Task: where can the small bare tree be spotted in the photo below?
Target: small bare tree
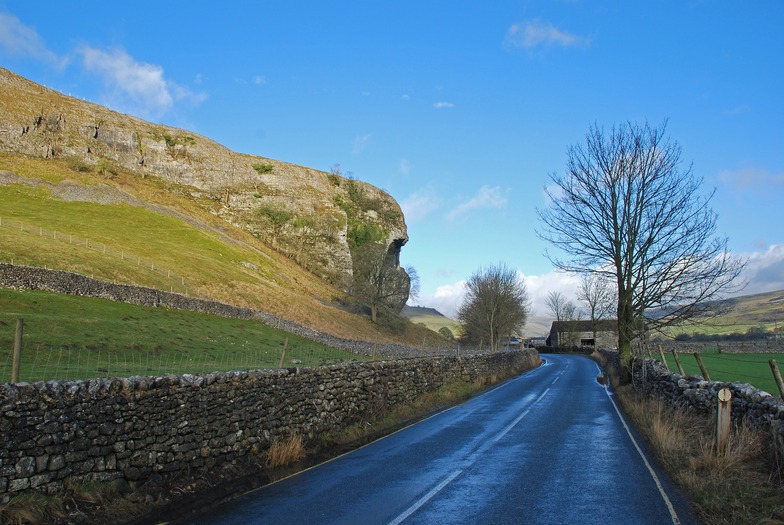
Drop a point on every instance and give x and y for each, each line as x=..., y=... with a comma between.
x=495, y=304
x=565, y=313
x=379, y=281
x=627, y=208
x=596, y=292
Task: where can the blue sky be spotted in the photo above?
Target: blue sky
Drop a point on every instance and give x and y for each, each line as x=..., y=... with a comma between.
x=460, y=110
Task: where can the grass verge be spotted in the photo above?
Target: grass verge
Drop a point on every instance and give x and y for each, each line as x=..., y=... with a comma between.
x=744, y=486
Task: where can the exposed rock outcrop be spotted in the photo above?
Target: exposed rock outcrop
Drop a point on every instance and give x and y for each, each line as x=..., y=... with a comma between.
x=309, y=215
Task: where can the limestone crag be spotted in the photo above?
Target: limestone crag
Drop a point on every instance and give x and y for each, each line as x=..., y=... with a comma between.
x=306, y=214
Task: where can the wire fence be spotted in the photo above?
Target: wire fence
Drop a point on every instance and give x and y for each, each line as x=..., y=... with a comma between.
x=45, y=363
x=176, y=283
x=752, y=368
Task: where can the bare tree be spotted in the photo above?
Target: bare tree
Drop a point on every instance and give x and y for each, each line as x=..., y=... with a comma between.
x=564, y=312
x=627, y=208
x=496, y=304
x=379, y=281
x=596, y=292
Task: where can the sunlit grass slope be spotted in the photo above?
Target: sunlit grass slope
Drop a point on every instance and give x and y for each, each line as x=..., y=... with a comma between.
x=153, y=236
x=71, y=337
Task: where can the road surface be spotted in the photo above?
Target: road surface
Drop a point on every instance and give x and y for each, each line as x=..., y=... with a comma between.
x=548, y=447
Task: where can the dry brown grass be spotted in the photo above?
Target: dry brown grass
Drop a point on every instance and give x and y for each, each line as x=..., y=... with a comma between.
x=285, y=452
x=740, y=487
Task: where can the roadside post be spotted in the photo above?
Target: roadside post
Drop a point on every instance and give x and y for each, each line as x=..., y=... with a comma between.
x=704, y=370
x=678, y=362
x=723, y=419
x=17, y=359
x=777, y=376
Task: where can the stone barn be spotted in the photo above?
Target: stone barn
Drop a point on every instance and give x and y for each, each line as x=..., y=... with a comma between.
x=599, y=334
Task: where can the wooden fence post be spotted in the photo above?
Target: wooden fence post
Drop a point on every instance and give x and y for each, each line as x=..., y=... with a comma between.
x=723, y=419
x=777, y=376
x=283, y=354
x=664, y=360
x=704, y=371
x=678, y=362
x=17, y=360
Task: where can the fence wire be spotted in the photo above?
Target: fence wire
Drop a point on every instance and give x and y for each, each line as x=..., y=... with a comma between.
x=44, y=363
x=177, y=283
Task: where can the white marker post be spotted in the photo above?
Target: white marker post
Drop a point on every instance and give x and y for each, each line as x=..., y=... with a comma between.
x=723, y=421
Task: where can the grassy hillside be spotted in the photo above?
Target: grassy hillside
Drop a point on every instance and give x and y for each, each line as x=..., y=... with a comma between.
x=71, y=337
x=430, y=317
x=117, y=226
x=748, y=312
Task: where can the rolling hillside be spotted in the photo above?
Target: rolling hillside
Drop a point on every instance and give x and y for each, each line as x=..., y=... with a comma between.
x=747, y=312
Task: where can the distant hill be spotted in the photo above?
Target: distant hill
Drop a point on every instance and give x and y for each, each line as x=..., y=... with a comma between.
x=434, y=320
x=411, y=311
x=430, y=317
x=762, y=310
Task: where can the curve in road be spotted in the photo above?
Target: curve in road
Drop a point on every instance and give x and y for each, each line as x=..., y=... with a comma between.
x=547, y=447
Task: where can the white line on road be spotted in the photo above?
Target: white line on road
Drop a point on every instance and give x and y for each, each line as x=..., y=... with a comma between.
x=424, y=499
x=470, y=460
x=674, y=515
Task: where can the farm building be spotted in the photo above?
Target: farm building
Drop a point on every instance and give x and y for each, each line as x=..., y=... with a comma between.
x=602, y=333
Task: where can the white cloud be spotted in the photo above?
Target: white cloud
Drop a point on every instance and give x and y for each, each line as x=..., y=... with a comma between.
x=738, y=110
x=443, y=105
x=20, y=40
x=764, y=270
x=259, y=80
x=539, y=286
x=446, y=299
x=405, y=167
x=487, y=197
x=539, y=33
x=420, y=204
x=752, y=179
x=135, y=86
x=360, y=143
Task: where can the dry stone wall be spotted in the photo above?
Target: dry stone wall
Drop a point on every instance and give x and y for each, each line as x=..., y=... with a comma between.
x=760, y=408
x=770, y=346
x=173, y=426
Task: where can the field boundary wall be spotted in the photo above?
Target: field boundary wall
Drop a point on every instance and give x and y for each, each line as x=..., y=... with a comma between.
x=651, y=378
x=179, y=426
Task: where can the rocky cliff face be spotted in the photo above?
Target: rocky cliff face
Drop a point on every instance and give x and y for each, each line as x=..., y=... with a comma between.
x=312, y=216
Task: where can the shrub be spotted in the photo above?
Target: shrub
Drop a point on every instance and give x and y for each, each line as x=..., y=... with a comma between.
x=446, y=332
x=78, y=165
x=263, y=168
x=276, y=216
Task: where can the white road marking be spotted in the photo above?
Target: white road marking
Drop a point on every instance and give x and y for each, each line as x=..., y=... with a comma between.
x=674, y=515
x=424, y=499
x=470, y=460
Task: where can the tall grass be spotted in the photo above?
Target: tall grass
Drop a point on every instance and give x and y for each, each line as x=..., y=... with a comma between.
x=740, y=487
x=285, y=452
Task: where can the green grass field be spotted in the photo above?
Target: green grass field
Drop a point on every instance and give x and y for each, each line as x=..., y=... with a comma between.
x=744, y=368
x=70, y=337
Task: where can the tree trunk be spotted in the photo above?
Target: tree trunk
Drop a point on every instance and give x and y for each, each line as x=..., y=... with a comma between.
x=626, y=333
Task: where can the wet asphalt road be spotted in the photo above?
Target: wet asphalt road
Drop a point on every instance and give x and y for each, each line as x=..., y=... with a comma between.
x=548, y=447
